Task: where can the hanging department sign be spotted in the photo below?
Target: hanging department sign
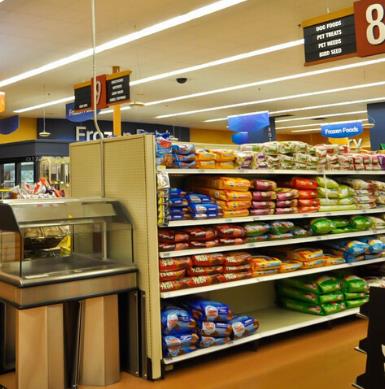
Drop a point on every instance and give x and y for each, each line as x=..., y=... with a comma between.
x=342, y=130
x=358, y=31
x=110, y=89
x=330, y=37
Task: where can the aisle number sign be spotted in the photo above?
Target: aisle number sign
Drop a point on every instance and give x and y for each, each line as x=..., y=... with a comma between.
x=341, y=130
x=110, y=89
x=370, y=27
x=358, y=31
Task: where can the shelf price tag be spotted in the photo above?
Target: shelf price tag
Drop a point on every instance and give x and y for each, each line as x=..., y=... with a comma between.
x=166, y=255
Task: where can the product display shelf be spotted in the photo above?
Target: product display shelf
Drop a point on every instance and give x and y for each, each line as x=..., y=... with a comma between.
x=273, y=321
x=275, y=277
x=247, y=219
x=278, y=171
x=269, y=243
x=130, y=177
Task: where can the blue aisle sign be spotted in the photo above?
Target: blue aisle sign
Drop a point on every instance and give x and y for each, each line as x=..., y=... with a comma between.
x=77, y=117
x=245, y=126
x=342, y=130
x=9, y=125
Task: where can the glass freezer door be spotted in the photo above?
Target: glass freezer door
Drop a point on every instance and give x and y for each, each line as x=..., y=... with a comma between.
x=27, y=172
x=9, y=174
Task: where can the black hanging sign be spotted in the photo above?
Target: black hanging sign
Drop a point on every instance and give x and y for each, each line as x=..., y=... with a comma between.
x=118, y=88
x=82, y=93
x=330, y=37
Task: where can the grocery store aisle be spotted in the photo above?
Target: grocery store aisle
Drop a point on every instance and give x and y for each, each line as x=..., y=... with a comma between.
x=318, y=359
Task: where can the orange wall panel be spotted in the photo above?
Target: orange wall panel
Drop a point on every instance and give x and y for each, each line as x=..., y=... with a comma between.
x=198, y=135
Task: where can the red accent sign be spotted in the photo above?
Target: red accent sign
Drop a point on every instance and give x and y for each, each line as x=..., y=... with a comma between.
x=369, y=16
x=101, y=92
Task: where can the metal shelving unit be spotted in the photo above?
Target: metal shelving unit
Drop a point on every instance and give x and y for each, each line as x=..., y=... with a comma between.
x=135, y=187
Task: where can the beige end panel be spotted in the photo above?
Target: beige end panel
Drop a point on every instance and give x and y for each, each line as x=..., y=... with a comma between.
x=85, y=169
x=130, y=178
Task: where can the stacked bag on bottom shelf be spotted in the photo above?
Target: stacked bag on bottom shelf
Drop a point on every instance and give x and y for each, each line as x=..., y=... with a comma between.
x=232, y=194
x=316, y=295
x=179, y=331
x=213, y=320
x=216, y=323
x=356, y=291
x=199, y=323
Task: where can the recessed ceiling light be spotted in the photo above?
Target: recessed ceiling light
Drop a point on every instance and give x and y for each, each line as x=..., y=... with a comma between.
x=311, y=107
x=271, y=81
x=283, y=98
x=154, y=29
x=318, y=116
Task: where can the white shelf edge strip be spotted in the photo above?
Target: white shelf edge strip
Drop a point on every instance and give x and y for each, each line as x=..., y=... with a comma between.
x=245, y=219
x=278, y=171
x=267, y=243
x=260, y=335
x=256, y=280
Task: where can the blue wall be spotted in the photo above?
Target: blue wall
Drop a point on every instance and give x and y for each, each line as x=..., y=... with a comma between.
x=62, y=129
x=376, y=115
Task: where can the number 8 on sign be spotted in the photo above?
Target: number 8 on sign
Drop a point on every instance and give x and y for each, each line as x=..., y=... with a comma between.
x=375, y=33
x=369, y=22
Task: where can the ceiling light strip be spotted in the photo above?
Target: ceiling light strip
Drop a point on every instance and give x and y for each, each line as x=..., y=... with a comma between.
x=308, y=108
x=283, y=98
x=320, y=116
x=221, y=61
x=270, y=81
x=48, y=104
x=156, y=28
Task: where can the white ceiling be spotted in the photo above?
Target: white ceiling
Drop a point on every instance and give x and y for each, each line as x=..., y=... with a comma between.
x=35, y=32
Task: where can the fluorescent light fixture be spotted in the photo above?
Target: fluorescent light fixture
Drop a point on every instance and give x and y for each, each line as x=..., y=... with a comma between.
x=311, y=107
x=48, y=104
x=217, y=62
x=320, y=116
x=221, y=61
x=312, y=124
x=270, y=81
x=107, y=111
x=283, y=98
x=162, y=26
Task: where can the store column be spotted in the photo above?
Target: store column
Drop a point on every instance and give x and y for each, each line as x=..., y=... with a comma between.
x=376, y=115
x=264, y=135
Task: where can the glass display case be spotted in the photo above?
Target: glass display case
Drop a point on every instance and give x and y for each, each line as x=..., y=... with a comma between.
x=44, y=241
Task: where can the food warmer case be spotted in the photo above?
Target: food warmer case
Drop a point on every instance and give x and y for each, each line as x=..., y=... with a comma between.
x=53, y=252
